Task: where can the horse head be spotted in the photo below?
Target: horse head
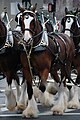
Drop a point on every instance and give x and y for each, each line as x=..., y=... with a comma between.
x=70, y=20
x=30, y=26
x=71, y=25
x=18, y=15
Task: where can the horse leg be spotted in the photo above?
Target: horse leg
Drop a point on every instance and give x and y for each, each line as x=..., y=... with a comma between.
x=44, y=96
x=21, y=104
x=16, y=82
x=74, y=102
x=61, y=104
x=31, y=110
x=74, y=99
x=53, y=87
x=10, y=98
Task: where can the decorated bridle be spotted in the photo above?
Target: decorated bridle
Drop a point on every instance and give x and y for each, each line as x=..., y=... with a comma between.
x=34, y=34
x=25, y=15
x=76, y=19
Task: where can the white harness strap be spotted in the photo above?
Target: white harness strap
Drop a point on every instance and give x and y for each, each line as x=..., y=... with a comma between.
x=7, y=22
x=69, y=15
x=44, y=40
x=9, y=32
x=78, y=24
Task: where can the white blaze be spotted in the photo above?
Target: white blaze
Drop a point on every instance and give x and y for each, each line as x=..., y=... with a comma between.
x=68, y=25
x=27, y=22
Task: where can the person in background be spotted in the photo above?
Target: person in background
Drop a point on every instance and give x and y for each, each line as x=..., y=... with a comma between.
x=5, y=19
x=26, y=4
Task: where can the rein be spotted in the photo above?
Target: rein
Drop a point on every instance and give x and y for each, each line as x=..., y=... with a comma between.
x=29, y=30
x=28, y=57
x=33, y=37
x=73, y=33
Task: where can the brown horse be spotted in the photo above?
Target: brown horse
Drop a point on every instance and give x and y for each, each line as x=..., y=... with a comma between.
x=9, y=65
x=41, y=53
x=3, y=34
x=49, y=28
x=71, y=27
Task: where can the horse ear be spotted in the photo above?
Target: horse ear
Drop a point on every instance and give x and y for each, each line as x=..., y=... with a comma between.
x=34, y=7
x=75, y=13
x=66, y=10
x=20, y=8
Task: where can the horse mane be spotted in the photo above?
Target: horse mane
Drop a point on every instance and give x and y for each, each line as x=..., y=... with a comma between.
x=3, y=33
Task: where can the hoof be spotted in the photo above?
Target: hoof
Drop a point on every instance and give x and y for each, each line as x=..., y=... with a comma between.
x=19, y=111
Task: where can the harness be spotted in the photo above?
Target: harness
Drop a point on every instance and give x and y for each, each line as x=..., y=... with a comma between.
x=58, y=46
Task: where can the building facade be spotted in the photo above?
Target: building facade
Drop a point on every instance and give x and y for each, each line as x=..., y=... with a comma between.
x=12, y=8
x=60, y=7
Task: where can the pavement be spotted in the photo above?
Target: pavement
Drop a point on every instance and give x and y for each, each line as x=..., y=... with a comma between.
x=44, y=112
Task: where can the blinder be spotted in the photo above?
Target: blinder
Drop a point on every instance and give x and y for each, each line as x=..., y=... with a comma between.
x=68, y=15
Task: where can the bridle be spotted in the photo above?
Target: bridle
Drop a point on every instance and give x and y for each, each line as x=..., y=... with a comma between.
x=70, y=29
x=73, y=33
x=27, y=29
x=34, y=35
x=32, y=14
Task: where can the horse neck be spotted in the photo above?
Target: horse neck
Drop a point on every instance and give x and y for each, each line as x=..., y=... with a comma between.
x=49, y=27
x=3, y=29
x=3, y=34
x=76, y=35
x=38, y=33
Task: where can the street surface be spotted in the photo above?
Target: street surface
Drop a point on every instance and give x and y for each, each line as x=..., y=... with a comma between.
x=44, y=112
